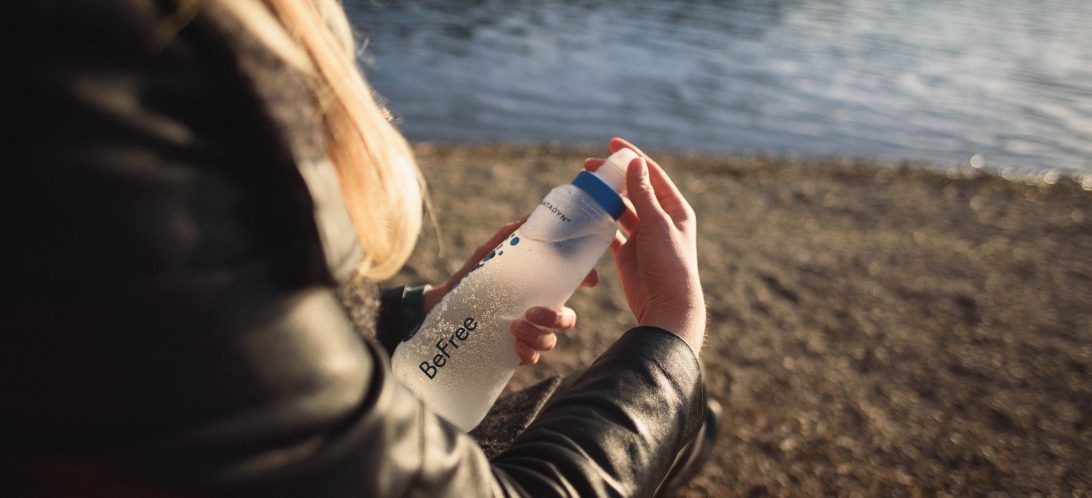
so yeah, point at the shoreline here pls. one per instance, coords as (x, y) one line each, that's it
(875, 328)
(1019, 175)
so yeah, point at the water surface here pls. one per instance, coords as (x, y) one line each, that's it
(1008, 81)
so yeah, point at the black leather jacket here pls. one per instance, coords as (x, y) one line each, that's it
(172, 248)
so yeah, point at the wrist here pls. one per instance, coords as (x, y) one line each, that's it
(687, 323)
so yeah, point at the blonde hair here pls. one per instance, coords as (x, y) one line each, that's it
(379, 178)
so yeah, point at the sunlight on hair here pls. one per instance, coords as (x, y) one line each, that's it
(383, 188)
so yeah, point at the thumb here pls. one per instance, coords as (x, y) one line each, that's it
(640, 191)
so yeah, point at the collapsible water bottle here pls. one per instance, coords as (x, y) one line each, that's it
(462, 355)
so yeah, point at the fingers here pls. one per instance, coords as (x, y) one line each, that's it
(629, 219)
(535, 332)
(537, 338)
(485, 248)
(435, 294)
(493, 241)
(527, 354)
(591, 280)
(593, 163)
(617, 244)
(563, 318)
(640, 191)
(618, 143)
(498, 237)
(667, 193)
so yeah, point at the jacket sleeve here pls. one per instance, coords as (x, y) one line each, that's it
(400, 313)
(614, 433)
(171, 329)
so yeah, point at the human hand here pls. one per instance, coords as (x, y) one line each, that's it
(657, 261)
(534, 332)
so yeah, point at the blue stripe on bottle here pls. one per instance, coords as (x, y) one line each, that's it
(601, 192)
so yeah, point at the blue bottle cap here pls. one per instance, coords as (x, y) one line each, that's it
(603, 194)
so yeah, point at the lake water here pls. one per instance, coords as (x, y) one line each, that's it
(1007, 82)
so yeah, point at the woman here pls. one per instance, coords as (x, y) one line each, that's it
(190, 182)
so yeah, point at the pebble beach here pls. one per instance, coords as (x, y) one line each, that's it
(874, 329)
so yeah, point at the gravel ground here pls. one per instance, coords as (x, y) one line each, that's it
(875, 330)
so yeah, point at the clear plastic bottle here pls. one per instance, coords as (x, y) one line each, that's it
(462, 356)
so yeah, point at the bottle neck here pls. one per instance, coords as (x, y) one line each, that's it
(601, 192)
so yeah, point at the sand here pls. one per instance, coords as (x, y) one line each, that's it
(875, 330)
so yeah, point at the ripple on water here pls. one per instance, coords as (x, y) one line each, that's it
(942, 81)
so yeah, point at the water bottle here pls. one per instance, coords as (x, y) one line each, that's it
(462, 355)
